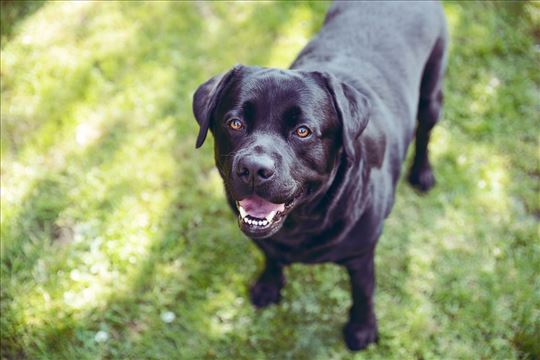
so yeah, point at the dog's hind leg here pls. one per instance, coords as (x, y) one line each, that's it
(429, 109)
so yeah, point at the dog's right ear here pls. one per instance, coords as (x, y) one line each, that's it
(206, 98)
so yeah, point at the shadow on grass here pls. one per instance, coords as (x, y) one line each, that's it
(458, 269)
(198, 264)
(35, 228)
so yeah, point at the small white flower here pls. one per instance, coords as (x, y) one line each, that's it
(75, 275)
(86, 133)
(168, 316)
(101, 336)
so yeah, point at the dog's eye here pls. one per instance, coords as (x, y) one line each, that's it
(235, 124)
(302, 132)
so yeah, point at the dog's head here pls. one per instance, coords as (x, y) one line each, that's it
(279, 137)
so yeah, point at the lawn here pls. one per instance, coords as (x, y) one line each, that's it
(116, 239)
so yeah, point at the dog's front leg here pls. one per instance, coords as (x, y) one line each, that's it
(361, 329)
(267, 289)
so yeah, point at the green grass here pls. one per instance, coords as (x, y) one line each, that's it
(111, 219)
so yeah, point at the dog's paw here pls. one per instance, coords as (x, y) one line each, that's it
(263, 294)
(423, 180)
(359, 336)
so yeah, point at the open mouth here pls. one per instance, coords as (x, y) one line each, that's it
(261, 218)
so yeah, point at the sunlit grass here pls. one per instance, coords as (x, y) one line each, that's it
(293, 37)
(116, 237)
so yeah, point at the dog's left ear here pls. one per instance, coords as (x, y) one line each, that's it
(353, 109)
(206, 99)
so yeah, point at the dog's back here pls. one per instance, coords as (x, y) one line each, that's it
(373, 44)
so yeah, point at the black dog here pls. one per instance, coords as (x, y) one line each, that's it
(310, 156)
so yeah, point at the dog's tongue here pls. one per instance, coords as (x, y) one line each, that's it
(258, 207)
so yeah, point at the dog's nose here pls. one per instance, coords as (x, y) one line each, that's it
(256, 169)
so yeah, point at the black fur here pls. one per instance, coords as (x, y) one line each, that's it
(358, 85)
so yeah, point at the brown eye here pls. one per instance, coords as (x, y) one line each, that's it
(235, 124)
(302, 132)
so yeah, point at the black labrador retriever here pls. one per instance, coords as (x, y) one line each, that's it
(310, 156)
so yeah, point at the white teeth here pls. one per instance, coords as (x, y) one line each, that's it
(243, 212)
(271, 216)
(254, 222)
